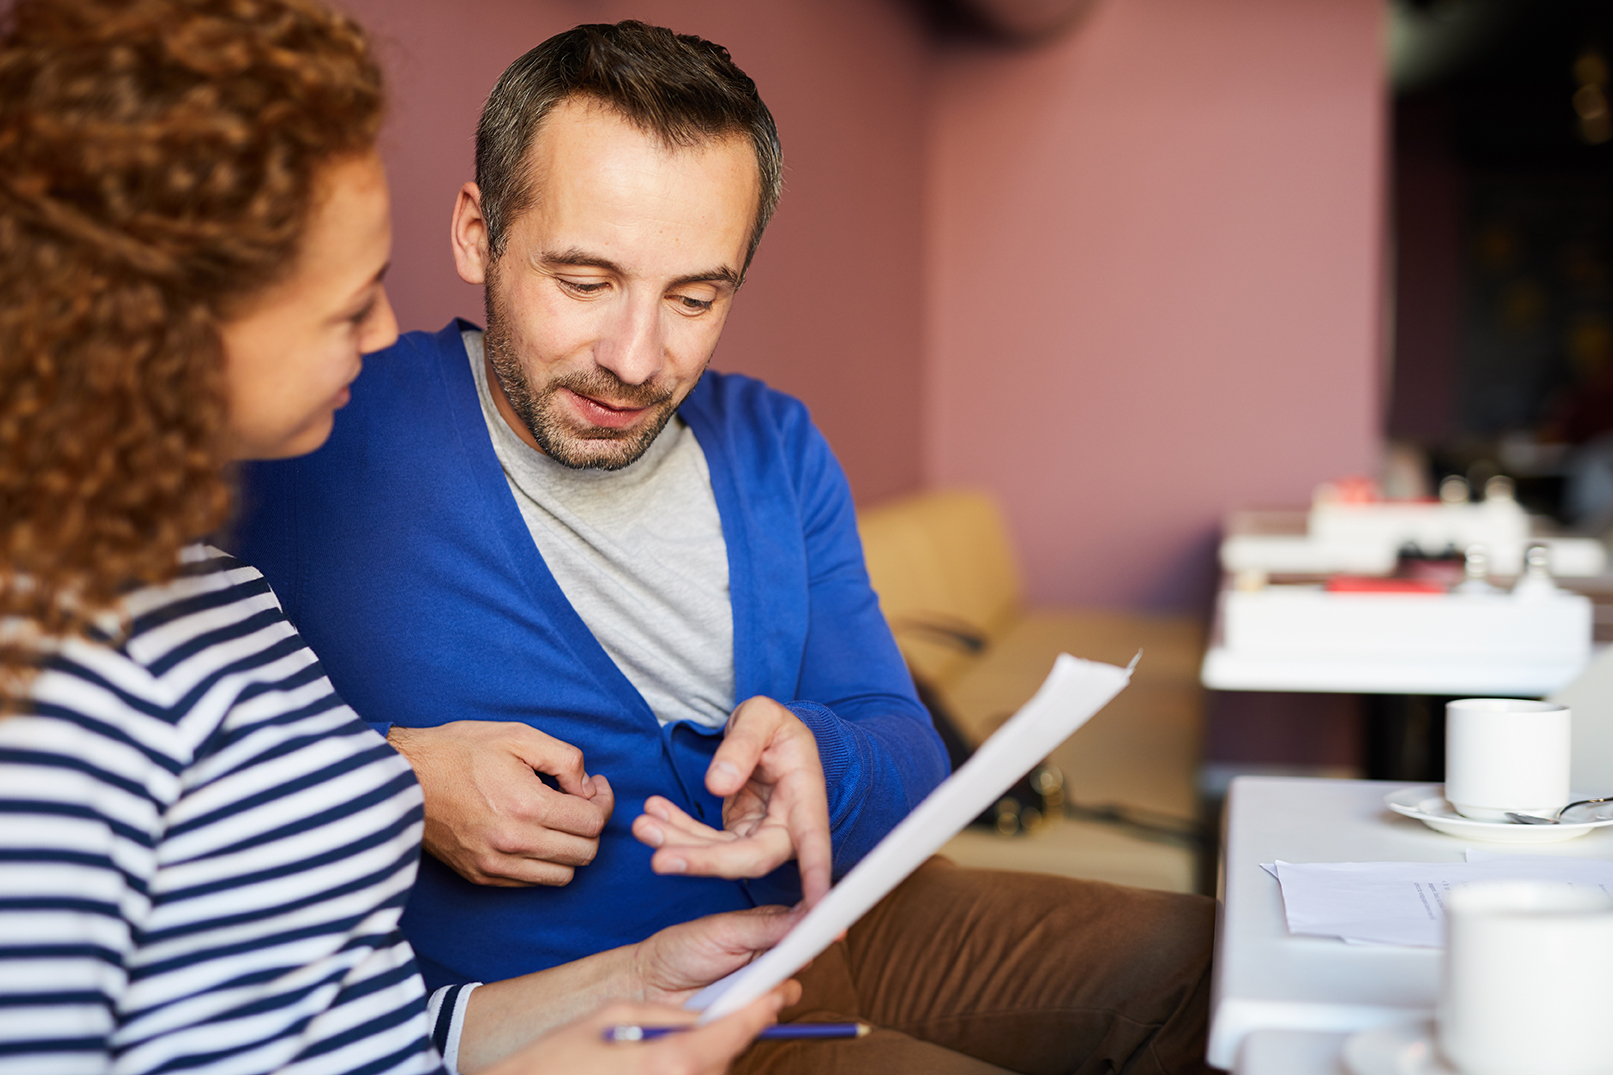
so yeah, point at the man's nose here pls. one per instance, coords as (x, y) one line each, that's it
(633, 348)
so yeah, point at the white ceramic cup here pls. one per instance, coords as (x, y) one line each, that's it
(1526, 980)
(1506, 754)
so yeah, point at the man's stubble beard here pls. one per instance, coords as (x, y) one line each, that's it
(597, 448)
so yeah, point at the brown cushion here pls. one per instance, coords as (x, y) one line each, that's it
(941, 562)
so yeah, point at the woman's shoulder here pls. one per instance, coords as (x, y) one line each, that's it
(114, 719)
(189, 670)
(169, 641)
(214, 609)
(208, 580)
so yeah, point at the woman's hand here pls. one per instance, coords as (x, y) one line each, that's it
(580, 1049)
(670, 966)
(505, 1018)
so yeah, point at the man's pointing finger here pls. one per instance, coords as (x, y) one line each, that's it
(748, 734)
(814, 851)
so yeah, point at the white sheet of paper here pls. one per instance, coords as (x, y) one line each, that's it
(1403, 903)
(1072, 693)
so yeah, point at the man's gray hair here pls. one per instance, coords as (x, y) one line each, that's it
(681, 88)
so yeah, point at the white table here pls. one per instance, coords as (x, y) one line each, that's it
(1266, 980)
(1292, 1052)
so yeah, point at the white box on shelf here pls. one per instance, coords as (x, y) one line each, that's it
(1309, 622)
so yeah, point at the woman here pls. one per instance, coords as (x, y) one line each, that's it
(203, 853)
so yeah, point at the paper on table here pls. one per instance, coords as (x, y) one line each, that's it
(1072, 693)
(1382, 902)
(1403, 903)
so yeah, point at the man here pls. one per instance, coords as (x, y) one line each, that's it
(557, 550)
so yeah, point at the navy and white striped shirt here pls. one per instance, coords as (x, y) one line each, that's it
(204, 853)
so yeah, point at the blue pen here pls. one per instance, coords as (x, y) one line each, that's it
(776, 1032)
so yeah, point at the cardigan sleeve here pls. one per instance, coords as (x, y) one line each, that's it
(265, 536)
(881, 754)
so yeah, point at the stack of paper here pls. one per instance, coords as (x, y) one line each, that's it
(1404, 902)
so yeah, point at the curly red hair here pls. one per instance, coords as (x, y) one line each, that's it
(158, 162)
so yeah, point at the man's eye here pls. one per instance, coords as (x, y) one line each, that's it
(584, 288)
(694, 306)
(358, 317)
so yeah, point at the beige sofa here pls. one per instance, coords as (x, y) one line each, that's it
(949, 584)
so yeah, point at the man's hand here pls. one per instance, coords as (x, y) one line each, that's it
(775, 807)
(671, 966)
(489, 816)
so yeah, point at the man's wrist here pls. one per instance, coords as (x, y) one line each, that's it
(830, 734)
(403, 740)
(400, 737)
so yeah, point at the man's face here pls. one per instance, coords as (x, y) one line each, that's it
(614, 285)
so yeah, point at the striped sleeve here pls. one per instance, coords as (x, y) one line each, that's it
(204, 854)
(446, 1010)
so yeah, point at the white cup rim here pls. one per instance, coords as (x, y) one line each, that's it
(1503, 705)
(1527, 899)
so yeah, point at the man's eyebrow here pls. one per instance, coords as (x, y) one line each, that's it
(574, 256)
(720, 275)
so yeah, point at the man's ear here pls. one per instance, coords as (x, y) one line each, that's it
(469, 236)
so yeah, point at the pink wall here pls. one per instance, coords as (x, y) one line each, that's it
(1125, 281)
(1154, 281)
(833, 308)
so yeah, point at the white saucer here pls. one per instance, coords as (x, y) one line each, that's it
(1401, 1049)
(1426, 803)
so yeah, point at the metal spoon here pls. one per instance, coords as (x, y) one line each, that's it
(1554, 819)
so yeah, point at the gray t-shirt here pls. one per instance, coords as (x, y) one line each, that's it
(639, 553)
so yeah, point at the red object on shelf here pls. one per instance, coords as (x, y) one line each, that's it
(1356, 490)
(1372, 584)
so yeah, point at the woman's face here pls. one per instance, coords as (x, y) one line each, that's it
(290, 355)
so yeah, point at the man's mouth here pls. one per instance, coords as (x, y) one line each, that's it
(601, 412)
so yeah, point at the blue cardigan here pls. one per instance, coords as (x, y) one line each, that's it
(400, 554)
